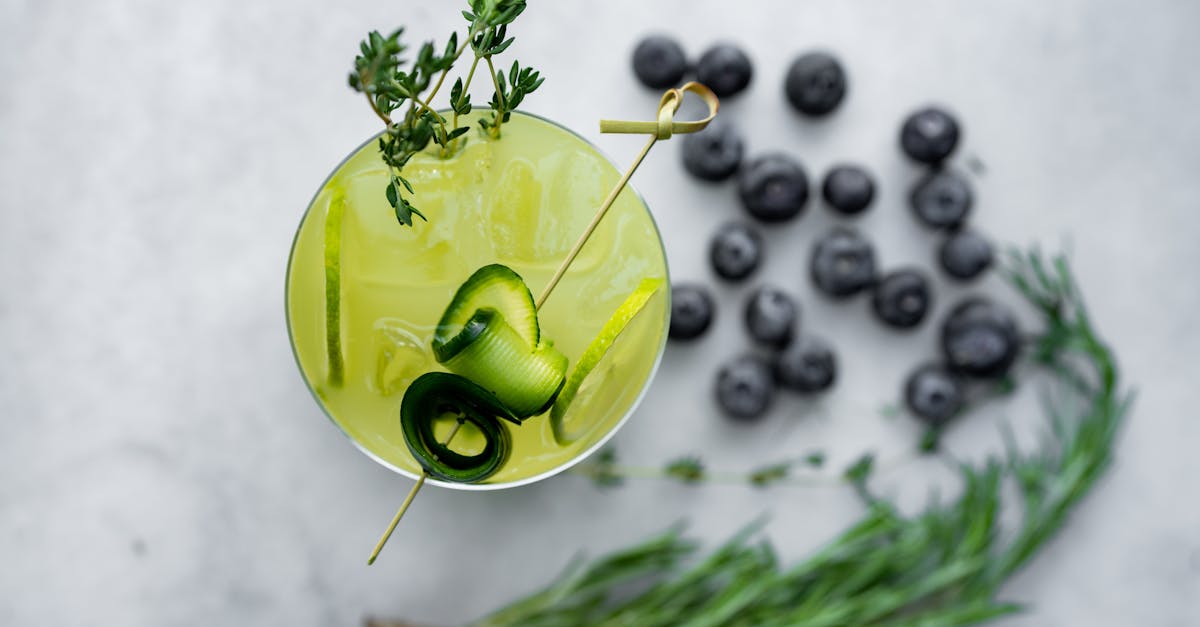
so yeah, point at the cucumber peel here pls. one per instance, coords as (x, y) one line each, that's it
(565, 431)
(489, 334)
(494, 286)
(494, 356)
(435, 394)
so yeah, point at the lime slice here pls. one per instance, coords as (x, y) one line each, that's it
(595, 365)
(333, 285)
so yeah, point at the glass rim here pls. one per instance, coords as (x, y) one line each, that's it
(482, 487)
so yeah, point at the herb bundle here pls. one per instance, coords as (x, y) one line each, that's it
(943, 566)
(381, 75)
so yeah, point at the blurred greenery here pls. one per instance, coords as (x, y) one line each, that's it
(942, 566)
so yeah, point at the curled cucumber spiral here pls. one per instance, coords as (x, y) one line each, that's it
(435, 394)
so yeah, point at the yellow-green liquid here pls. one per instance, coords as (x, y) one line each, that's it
(522, 201)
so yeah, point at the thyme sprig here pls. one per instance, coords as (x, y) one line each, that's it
(943, 566)
(391, 85)
(605, 471)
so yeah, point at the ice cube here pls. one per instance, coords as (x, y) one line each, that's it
(447, 192)
(577, 185)
(539, 209)
(514, 214)
(401, 355)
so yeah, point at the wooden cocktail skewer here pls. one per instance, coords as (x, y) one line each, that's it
(662, 128)
(412, 494)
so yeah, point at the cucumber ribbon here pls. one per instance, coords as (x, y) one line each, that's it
(489, 334)
(437, 394)
(501, 369)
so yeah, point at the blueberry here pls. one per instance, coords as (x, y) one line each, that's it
(934, 394)
(736, 251)
(806, 366)
(965, 254)
(843, 263)
(773, 188)
(714, 153)
(771, 316)
(659, 62)
(815, 83)
(942, 199)
(929, 135)
(849, 189)
(980, 339)
(692, 311)
(745, 387)
(725, 69)
(902, 298)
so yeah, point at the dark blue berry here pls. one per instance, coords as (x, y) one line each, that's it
(929, 135)
(942, 199)
(692, 311)
(848, 189)
(773, 188)
(771, 316)
(806, 366)
(714, 153)
(745, 387)
(980, 339)
(736, 251)
(725, 69)
(815, 83)
(902, 298)
(965, 255)
(934, 394)
(843, 263)
(659, 62)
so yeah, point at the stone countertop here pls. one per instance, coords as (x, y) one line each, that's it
(161, 462)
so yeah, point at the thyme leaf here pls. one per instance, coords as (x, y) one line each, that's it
(396, 90)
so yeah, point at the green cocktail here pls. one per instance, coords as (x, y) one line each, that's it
(365, 293)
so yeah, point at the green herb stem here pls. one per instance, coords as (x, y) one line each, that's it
(467, 83)
(597, 471)
(604, 471)
(457, 54)
(438, 86)
(375, 107)
(494, 130)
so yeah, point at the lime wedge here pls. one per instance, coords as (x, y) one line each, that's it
(595, 365)
(333, 285)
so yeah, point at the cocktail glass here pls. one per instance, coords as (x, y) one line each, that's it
(364, 293)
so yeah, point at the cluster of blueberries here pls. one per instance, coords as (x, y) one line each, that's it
(979, 339)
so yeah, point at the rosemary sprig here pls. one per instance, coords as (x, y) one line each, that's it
(943, 566)
(389, 84)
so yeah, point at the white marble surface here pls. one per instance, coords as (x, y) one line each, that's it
(162, 464)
